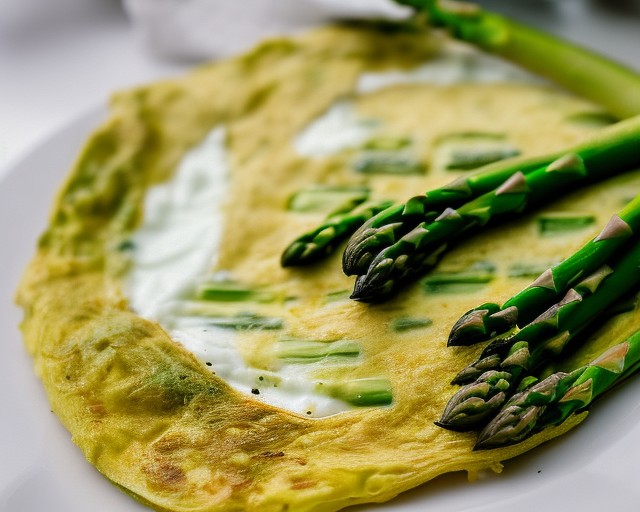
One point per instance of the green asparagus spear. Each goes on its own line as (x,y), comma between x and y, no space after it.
(576,68)
(595,77)
(388,226)
(420,248)
(542,340)
(493,355)
(553,400)
(316,244)
(488,320)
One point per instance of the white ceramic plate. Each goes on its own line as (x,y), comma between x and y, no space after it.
(591,469)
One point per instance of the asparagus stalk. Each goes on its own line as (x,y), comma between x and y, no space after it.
(324,239)
(489,319)
(535,333)
(575,68)
(607,83)
(388,226)
(556,398)
(542,340)
(420,248)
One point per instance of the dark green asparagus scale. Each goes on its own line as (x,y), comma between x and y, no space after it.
(554,399)
(612,150)
(489,320)
(536,344)
(324,239)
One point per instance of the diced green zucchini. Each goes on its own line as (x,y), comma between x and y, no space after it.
(410,323)
(472,158)
(126,245)
(246,321)
(387,162)
(467,151)
(327,199)
(308,351)
(208,313)
(338,295)
(468,280)
(231,291)
(360,392)
(593,119)
(528,270)
(387,143)
(560,222)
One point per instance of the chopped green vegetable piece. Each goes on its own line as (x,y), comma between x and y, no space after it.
(593,119)
(472,158)
(231,291)
(126,245)
(337,295)
(455,287)
(410,323)
(246,321)
(468,280)
(387,162)
(529,270)
(387,143)
(561,222)
(467,151)
(211,314)
(360,392)
(307,351)
(328,199)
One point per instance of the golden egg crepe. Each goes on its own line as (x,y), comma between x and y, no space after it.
(153,418)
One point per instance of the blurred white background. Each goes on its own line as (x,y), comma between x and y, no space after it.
(59,58)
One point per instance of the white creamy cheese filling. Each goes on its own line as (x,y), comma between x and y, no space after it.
(174,249)
(179,237)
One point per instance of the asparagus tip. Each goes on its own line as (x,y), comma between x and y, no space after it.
(471,327)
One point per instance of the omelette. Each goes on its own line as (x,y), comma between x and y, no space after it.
(195,372)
